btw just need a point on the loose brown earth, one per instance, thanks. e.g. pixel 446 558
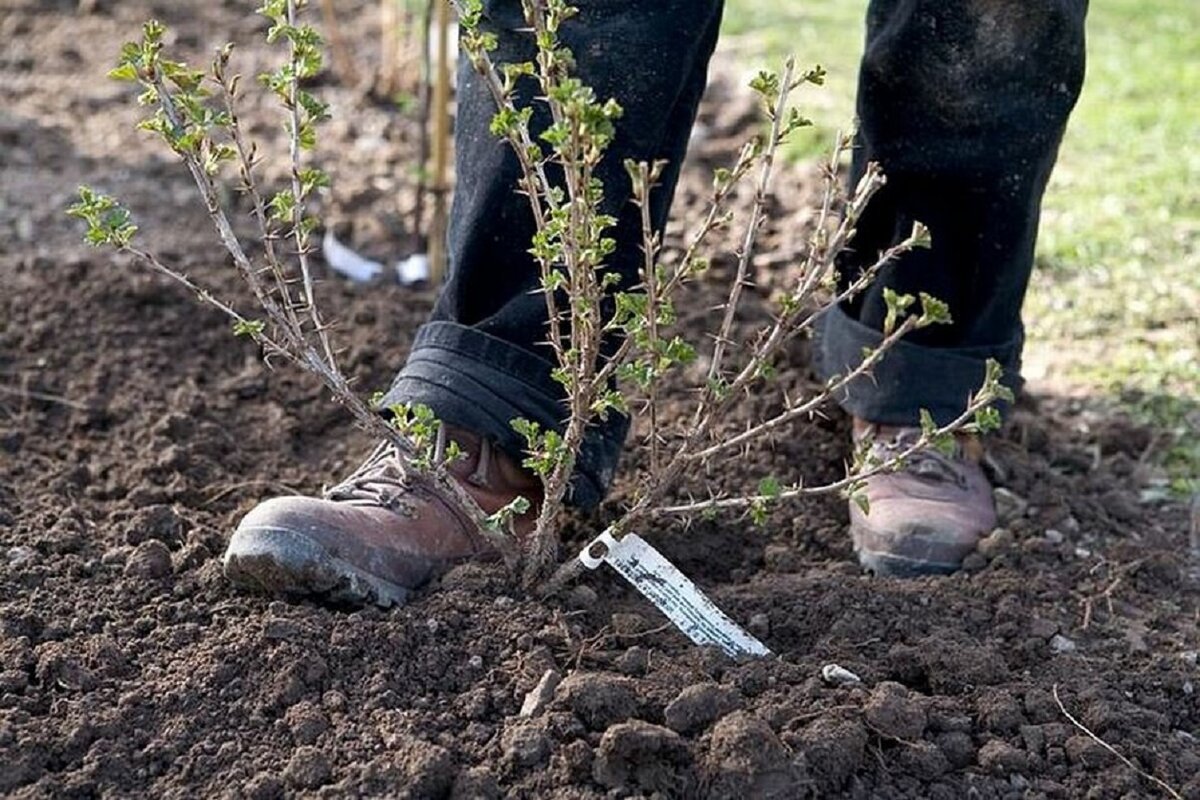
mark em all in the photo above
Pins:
pixel 134 430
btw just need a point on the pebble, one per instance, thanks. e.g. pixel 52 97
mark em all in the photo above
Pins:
pixel 540 696
pixel 995 543
pixel 1009 504
pixel 837 675
pixel 475 662
pixel 1061 644
pixel 1190 657
pixel 21 555
pixel 1054 537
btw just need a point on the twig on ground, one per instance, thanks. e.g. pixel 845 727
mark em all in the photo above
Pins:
pixel 1166 787
pixel 45 397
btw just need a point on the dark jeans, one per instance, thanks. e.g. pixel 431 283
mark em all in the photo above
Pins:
pixel 962 102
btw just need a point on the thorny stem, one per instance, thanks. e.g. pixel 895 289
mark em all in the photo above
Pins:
pixel 925 440
pixel 216 213
pixel 246 163
pixel 751 235
pixel 713 220
pixel 298 223
pixel 650 283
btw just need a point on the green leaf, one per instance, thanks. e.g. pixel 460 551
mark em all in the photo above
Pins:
pixel 248 327
pixel 933 311
pixel 770 487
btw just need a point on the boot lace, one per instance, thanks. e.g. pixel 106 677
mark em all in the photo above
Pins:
pixel 381 480
pixel 929 463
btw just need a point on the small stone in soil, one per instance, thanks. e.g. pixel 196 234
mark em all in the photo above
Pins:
pixel 1061 644
pixel 1009 505
pixel 21 556
pixel 995 543
pixel 540 696
pixel 837 675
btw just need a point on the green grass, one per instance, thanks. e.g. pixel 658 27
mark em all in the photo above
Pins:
pixel 1114 309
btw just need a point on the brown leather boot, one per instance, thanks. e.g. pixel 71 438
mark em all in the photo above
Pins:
pixel 380 533
pixel 927 517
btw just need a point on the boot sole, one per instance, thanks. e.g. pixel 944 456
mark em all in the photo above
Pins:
pixel 284 561
pixel 889 565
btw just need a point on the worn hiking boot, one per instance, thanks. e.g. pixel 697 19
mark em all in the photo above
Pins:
pixel 927 517
pixel 380 533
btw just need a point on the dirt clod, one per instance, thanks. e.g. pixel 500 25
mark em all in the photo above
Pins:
pixel 1001 758
pixel 637 754
pixel 598 699
pixel 308 768
pixel 746 759
pixel 697 706
pixel 892 712
pixel 150 559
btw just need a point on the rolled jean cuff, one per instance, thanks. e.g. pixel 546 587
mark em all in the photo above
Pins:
pixel 909 377
pixel 473 380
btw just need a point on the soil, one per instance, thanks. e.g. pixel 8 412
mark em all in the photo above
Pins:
pixel 135 430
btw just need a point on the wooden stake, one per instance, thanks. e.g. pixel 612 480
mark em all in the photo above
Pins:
pixel 440 112
pixel 343 64
pixel 389 47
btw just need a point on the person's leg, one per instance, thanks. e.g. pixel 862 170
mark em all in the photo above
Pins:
pixel 963 103
pixel 480 362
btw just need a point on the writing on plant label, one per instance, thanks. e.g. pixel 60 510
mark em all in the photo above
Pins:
pixel 672 592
